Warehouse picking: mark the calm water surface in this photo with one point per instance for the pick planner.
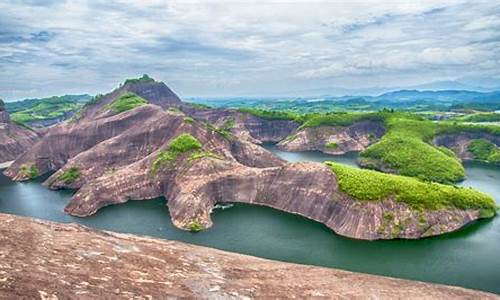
(468, 258)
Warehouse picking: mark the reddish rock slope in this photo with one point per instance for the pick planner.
(45, 264)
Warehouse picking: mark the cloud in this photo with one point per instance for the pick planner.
(220, 48)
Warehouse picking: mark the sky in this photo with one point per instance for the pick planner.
(238, 48)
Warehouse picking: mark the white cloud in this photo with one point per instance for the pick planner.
(204, 47)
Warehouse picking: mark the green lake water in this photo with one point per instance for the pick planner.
(468, 258)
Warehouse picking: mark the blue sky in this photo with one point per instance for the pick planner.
(218, 48)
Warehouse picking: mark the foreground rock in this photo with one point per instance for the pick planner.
(58, 261)
(14, 139)
(152, 149)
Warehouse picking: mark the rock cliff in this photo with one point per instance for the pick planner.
(244, 125)
(112, 157)
(46, 264)
(334, 140)
(459, 142)
(14, 139)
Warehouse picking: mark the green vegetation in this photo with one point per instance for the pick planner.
(406, 149)
(273, 114)
(179, 145)
(331, 145)
(70, 175)
(29, 172)
(144, 79)
(341, 119)
(480, 117)
(126, 102)
(368, 185)
(195, 226)
(188, 120)
(32, 110)
(484, 150)
(201, 154)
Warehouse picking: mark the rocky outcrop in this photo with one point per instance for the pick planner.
(110, 265)
(459, 142)
(334, 140)
(110, 158)
(14, 139)
(244, 125)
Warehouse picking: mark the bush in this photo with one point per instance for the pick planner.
(406, 150)
(70, 175)
(481, 148)
(367, 185)
(126, 102)
(29, 172)
(144, 79)
(179, 145)
(331, 146)
(195, 226)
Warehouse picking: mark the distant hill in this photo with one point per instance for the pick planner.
(40, 112)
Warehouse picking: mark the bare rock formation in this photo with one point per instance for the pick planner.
(115, 157)
(459, 142)
(46, 264)
(334, 140)
(14, 139)
(244, 125)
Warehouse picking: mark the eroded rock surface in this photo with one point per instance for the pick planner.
(334, 140)
(66, 261)
(109, 158)
(244, 125)
(14, 139)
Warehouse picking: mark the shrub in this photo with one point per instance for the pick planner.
(188, 120)
(30, 172)
(331, 146)
(481, 149)
(145, 78)
(70, 175)
(368, 185)
(195, 226)
(406, 149)
(179, 145)
(126, 102)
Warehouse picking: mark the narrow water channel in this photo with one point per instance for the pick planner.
(468, 258)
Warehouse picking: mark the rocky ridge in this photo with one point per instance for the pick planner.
(111, 157)
(334, 140)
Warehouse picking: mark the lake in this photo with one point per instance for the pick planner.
(468, 258)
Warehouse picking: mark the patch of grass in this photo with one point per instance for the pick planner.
(273, 114)
(189, 120)
(368, 185)
(126, 102)
(331, 146)
(481, 148)
(195, 226)
(480, 117)
(30, 172)
(201, 154)
(144, 79)
(70, 175)
(406, 148)
(341, 118)
(179, 145)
